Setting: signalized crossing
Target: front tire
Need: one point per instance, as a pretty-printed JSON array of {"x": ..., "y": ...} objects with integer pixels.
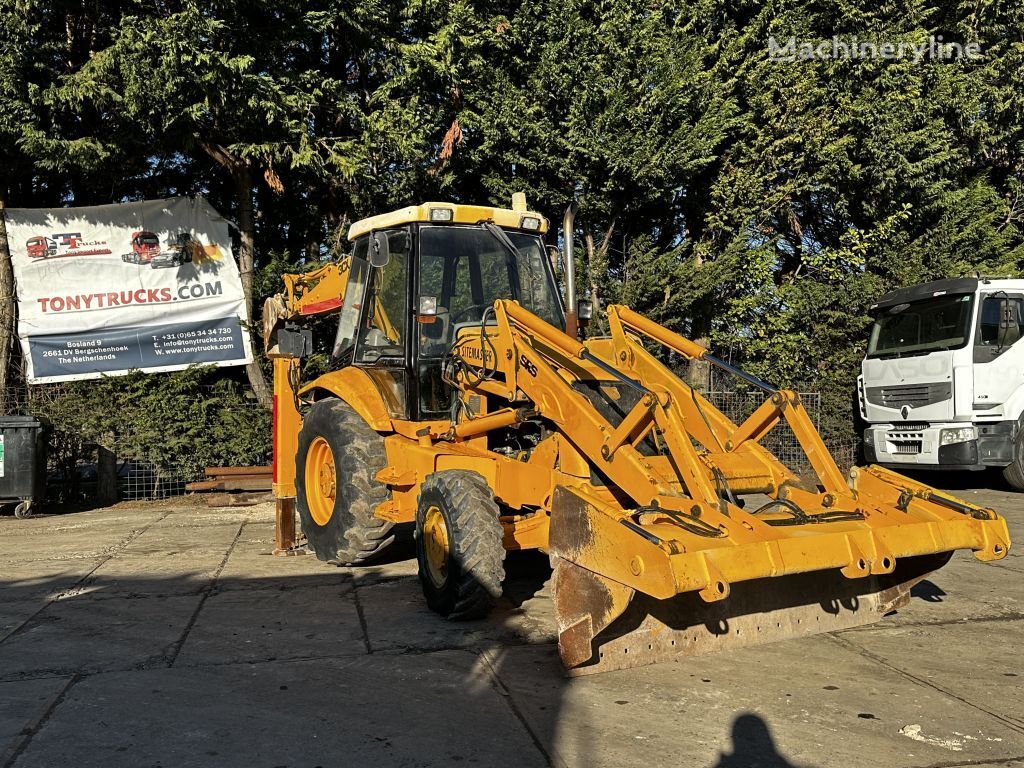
[
  {"x": 1014, "y": 472},
  {"x": 337, "y": 491},
  {"x": 459, "y": 544}
]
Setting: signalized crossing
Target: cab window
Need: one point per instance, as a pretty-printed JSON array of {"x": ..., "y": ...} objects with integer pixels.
[
  {"x": 385, "y": 319},
  {"x": 348, "y": 318},
  {"x": 1000, "y": 325}
]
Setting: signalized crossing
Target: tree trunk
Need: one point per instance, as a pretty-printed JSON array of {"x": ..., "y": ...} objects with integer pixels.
[
  {"x": 242, "y": 176},
  {"x": 108, "y": 489},
  {"x": 597, "y": 264},
  {"x": 6, "y": 312},
  {"x": 700, "y": 371}
]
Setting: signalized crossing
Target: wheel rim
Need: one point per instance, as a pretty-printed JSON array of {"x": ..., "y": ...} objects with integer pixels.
[
  {"x": 435, "y": 546},
  {"x": 321, "y": 481}
]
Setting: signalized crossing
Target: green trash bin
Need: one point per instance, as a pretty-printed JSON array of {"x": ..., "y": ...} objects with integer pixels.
[{"x": 22, "y": 462}]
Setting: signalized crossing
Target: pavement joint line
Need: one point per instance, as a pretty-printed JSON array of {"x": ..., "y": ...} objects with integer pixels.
[
  {"x": 114, "y": 550},
  {"x": 552, "y": 759},
  {"x": 276, "y": 660},
  {"x": 34, "y": 728},
  {"x": 1009, "y": 722},
  {"x": 980, "y": 762},
  {"x": 1003, "y": 565},
  {"x": 204, "y": 595},
  {"x": 883, "y": 627},
  {"x": 362, "y": 617},
  {"x": 503, "y": 644},
  {"x": 149, "y": 667}
]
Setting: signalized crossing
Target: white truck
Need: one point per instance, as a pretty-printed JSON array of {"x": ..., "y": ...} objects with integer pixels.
[{"x": 942, "y": 385}]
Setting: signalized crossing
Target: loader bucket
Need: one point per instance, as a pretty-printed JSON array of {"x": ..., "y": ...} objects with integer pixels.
[{"x": 621, "y": 600}]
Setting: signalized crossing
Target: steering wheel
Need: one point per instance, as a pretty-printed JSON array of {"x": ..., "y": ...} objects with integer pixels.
[{"x": 480, "y": 308}]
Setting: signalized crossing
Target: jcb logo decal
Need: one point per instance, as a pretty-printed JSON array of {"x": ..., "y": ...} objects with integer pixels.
[{"x": 530, "y": 367}]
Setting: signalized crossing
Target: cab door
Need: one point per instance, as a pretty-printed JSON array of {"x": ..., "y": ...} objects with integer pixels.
[
  {"x": 380, "y": 339},
  {"x": 998, "y": 352}
]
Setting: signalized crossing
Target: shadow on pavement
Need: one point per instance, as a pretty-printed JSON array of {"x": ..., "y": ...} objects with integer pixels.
[
  {"x": 928, "y": 591},
  {"x": 194, "y": 647},
  {"x": 991, "y": 479},
  {"x": 274, "y": 671},
  {"x": 752, "y": 746}
]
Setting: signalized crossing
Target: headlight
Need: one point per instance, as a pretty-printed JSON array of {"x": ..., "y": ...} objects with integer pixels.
[
  {"x": 529, "y": 222},
  {"x": 958, "y": 435},
  {"x": 441, "y": 214}
]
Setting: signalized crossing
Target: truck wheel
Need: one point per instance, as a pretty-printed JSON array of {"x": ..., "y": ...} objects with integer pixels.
[
  {"x": 336, "y": 463},
  {"x": 1014, "y": 473},
  {"x": 459, "y": 544}
]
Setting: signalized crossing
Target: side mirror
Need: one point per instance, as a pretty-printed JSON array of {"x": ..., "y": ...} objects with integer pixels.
[
  {"x": 586, "y": 312},
  {"x": 380, "y": 253},
  {"x": 1006, "y": 314}
]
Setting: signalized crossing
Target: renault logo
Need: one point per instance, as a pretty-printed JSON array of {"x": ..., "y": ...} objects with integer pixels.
[{"x": 905, "y": 412}]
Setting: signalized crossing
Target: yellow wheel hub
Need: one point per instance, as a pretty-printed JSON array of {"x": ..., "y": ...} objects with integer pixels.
[
  {"x": 321, "y": 481},
  {"x": 435, "y": 546}
]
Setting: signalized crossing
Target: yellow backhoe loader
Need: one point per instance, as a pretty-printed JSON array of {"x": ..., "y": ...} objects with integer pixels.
[{"x": 461, "y": 399}]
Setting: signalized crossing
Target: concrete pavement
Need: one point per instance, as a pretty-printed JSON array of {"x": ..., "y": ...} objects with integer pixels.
[{"x": 166, "y": 635}]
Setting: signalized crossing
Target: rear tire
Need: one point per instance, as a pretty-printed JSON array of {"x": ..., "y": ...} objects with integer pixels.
[
  {"x": 1014, "y": 472},
  {"x": 336, "y": 464},
  {"x": 459, "y": 544}
]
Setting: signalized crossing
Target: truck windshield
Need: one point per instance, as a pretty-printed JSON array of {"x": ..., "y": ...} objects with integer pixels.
[{"x": 920, "y": 327}]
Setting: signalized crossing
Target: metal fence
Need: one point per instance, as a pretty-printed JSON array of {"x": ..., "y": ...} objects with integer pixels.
[
  {"x": 72, "y": 471},
  {"x": 781, "y": 441},
  {"x": 73, "y": 463},
  {"x": 738, "y": 400}
]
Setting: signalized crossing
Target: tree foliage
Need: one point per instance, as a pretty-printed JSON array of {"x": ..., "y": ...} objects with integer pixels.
[
  {"x": 757, "y": 204},
  {"x": 177, "y": 422}
]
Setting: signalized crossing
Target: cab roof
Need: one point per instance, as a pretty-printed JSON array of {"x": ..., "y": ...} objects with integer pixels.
[
  {"x": 461, "y": 214},
  {"x": 926, "y": 291}
]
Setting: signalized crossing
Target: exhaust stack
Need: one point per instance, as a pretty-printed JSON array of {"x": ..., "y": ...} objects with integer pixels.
[{"x": 572, "y": 317}]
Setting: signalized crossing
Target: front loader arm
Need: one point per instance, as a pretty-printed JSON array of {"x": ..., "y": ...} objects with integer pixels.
[{"x": 683, "y": 528}]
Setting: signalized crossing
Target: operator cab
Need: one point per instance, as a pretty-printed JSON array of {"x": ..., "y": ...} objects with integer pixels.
[{"x": 420, "y": 275}]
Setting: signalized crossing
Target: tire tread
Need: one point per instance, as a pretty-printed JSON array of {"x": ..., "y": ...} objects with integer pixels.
[{"x": 476, "y": 540}]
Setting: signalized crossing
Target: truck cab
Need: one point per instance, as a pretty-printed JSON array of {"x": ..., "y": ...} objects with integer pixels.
[
  {"x": 942, "y": 384},
  {"x": 40, "y": 247},
  {"x": 145, "y": 245}
]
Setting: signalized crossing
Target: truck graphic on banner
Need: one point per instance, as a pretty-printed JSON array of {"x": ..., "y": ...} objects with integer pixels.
[
  {"x": 64, "y": 244},
  {"x": 146, "y": 250},
  {"x": 40, "y": 247},
  {"x": 145, "y": 245},
  {"x": 159, "y": 291}
]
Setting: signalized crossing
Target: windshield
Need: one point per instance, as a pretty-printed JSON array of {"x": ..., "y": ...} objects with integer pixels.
[
  {"x": 148, "y": 240},
  {"x": 464, "y": 269},
  {"x": 919, "y": 327}
]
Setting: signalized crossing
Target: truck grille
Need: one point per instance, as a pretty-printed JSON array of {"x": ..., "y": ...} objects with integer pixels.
[
  {"x": 911, "y": 447},
  {"x": 905, "y": 440},
  {"x": 914, "y": 395}
]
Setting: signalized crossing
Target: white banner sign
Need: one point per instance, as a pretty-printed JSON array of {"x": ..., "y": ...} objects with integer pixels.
[{"x": 111, "y": 288}]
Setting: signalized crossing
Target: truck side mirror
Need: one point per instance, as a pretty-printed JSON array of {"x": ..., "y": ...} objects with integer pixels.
[{"x": 380, "y": 253}]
